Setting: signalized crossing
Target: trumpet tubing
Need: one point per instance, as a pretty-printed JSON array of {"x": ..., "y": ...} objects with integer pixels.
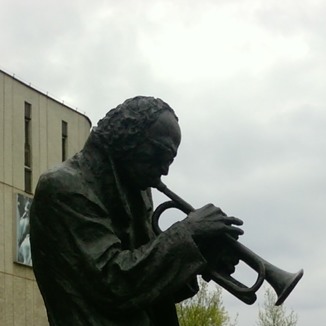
[{"x": 282, "y": 282}]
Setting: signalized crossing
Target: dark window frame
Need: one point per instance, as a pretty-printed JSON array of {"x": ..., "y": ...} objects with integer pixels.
[
  {"x": 64, "y": 140},
  {"x": 28, "y": 148}
]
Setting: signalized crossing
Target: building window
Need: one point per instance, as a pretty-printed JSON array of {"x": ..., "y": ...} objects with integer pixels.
[
  {"x": 28, "y": 180},
  {"x": 64, "y": 138},
  {"x": 28, "y": 153}
]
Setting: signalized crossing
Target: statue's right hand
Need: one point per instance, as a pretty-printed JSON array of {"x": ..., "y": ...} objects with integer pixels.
[{"x": 210, "y": 222}]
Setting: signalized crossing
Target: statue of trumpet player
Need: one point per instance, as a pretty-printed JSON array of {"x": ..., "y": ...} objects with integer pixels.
[{"x": 96, "y": 257}]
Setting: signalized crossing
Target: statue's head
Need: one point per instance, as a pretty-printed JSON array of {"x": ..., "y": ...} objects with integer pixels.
[{"x": 142, "y": 135}]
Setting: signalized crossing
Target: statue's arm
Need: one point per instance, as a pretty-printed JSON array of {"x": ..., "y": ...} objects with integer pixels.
[{"x": 123, "y": 279}]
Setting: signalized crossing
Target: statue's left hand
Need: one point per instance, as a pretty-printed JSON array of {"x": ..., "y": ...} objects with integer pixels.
[{"x": 221, "y": 257}]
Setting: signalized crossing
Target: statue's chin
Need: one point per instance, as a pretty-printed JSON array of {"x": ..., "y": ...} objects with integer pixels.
[
  {"x": 153, "y": 183},
  {"x": 156, "y": 182}
]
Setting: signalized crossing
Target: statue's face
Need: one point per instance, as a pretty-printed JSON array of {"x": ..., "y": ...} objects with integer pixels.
[{"x": 152, "y": 159}]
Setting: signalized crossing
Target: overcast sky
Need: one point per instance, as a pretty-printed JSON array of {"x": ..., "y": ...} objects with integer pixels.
[{"x": 247, "y": 79}]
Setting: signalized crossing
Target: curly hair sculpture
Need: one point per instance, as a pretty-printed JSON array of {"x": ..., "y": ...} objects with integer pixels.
[{"x": 124, "y": 127}]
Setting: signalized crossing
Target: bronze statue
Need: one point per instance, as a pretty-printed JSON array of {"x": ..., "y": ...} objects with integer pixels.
[{"x": 96, "y": 257}]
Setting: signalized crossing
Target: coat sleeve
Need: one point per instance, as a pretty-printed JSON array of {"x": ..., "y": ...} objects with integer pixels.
[{"x": 78, "y": 240}]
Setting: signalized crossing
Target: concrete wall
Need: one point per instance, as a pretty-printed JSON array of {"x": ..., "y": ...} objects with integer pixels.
[{"x": 20, "y": 300}]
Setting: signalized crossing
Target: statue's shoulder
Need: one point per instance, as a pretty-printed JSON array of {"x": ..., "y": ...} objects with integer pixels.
[{"x": 64, "y": 177}]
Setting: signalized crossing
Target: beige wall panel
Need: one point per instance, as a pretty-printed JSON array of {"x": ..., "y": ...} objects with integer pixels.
[
  {"x": 19, "y": 296},
  {"x": 19, "y": 270},
  {"x": 29, "y": 308},
  {"x": 2, "y": 286},
  {"x": 18, "y": 132},
  {"x": 84, "y": 129},
  {"x": 36, "y": 140},
  {"x": 9, "y": 232},
  {"x": 43, "y": 136},
  {"x": 40, "y": 317},
  {"x": 2, "y": 312},
  {"x": 78, "y": 128},
  {"x": 2, "y": 229},
  {"x": 2, "y": 158},
  {"x": 2, "y": 299},
  {"x": 9, "y": 301},
  {"x": 29, "y": 274},
  {"x": 7, "y": 136},
  {"x": 74, "y": 145},
  {"x": 54, "y": 137}
]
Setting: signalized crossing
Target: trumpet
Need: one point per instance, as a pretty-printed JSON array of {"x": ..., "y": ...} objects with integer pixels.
[{"x": 281, "y": 281}]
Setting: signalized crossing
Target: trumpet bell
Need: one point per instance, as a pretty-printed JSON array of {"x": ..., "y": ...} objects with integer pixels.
[{"x": 281, "y": 281}]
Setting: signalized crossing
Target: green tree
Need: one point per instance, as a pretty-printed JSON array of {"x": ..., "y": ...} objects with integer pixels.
[
  {"x": 271, "y": 315},
  {"x": 204, "y": 309}
]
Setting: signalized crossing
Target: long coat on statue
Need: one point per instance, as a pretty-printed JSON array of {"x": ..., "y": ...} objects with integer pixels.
[{"x": 95, "y": 256}]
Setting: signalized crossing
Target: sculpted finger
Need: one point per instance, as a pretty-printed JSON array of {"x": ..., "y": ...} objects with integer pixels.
[
  {"x": 233, "y": 220},
  {"x": 235, "y": 230}
]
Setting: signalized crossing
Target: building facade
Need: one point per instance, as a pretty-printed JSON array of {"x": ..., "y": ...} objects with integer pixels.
[{"x": 37, "y": 132}]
